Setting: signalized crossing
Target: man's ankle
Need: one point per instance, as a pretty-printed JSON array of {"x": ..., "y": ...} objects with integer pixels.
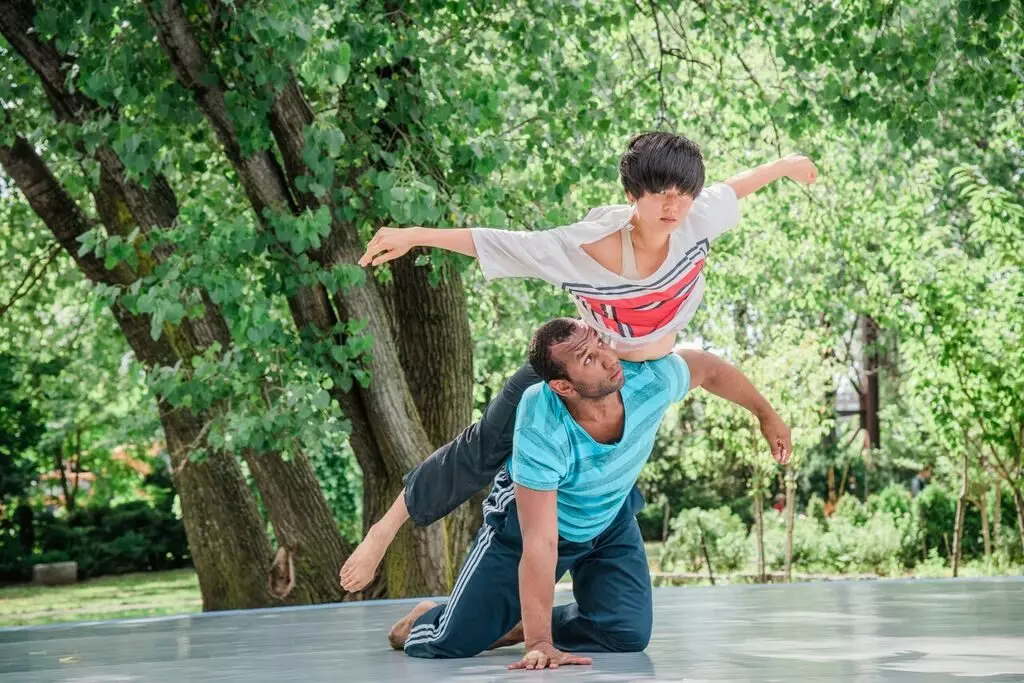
[{"x": 379, "y": 533}]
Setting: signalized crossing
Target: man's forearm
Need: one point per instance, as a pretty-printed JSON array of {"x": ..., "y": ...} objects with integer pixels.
[
  {"x": 537, "y": 590},
  {"x": 726, "y": 381},
  {"x": 751, "y": 181},
  {"x": 452, "y": 239}
]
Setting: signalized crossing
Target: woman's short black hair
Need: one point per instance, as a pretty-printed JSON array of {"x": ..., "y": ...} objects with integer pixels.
[{"x": 658, "y": 161}]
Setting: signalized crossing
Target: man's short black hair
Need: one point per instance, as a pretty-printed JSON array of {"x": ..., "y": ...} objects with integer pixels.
[
  {"x": 550, "y": 333},
  {"x": 654, "y": 162}
]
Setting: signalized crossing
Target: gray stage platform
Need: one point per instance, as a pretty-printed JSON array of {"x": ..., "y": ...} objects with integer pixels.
[{"x": 870, "y": 631}]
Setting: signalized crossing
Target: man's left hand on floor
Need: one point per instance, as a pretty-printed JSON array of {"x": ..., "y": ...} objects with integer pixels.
[{"x": 544, "y": 655}]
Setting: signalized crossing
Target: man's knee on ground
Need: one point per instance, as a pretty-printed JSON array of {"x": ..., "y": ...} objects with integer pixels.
[{"x": 630, "y": 637}]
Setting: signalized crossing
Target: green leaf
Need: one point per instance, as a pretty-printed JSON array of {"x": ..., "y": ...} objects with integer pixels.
[
  {"x": 321, "y": 399},
  {"x": 340, "y": 69}
]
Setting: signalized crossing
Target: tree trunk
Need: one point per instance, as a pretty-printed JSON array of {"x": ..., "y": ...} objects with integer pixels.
[
  {"x": 871, "y": 365},
  {"x": 306, "y": 531},
  {"x": 704, "y": 551},
  {"x": 790, "y": 522},
  {"x": 958, "y": 524},
  {"x": 62, "y": 471},
  {"x": 1018, "y": 503},
  {"x": 437, "y": 357},
  {"x": 985, "y": 535},
  {"x": 229, "y": 547},
  {"x": 830, "y": 479},
  {"x": 76, "y": 467},
  {"x": 997, "y": 515},
  {"x": 665, "y": 521},
  {"x": 299, "y": 513},
  {"x": 396, "y": 437},
  {"x": 759, "y": 531},
  {"x": 232, "y": 566},
  {"x": 871, "y": 424}
]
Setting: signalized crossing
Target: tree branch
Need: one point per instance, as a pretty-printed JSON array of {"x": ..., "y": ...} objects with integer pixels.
[
  {"x": 58, "y": 210},
  {"x": 19, "y": 292}
]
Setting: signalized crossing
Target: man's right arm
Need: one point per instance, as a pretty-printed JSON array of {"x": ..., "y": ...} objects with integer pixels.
[{"x": 538, "y": 520}]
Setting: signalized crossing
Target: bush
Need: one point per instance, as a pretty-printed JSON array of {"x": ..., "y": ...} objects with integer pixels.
[
  {"x": 935, "y": 507},
  {"x": 124, "y": 538},
  {"x": 12, "y": 561},
  {"x": 807, "y": 538},
  {"x": 651, "y": 520},
  {"x": 816, "y": 508},
  {"x": 852, "y": 510},
  {"x": 892, "y": 500},
  {"x": 1009, "y": 534},
  {"x": 725, "y": 536},
  {"x": 879, "y": 536}
]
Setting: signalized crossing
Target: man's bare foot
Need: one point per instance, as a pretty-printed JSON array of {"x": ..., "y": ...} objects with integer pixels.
[
  {"x": 513, "y": 637},
  {"x": 399, "y": 633},
  {"x": 358, "y": 571}
]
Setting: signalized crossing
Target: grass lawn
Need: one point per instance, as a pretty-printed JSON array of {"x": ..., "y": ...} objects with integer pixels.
[{"x": 108, "y": 597}]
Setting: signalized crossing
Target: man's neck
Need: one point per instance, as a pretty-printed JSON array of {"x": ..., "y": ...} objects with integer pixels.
[{"x": 603, "y": 418}]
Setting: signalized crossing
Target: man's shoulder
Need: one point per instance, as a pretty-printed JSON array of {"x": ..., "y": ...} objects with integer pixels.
[
  {"x": 669, "y": 363},
  {"x": 670, "y": 374},
  {"x": 533, "y": 395},
  {"x": 538, "y": 407}
]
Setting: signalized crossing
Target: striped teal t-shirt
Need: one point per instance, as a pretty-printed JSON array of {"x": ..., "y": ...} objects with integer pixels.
[{"x": 551, "y": 451}]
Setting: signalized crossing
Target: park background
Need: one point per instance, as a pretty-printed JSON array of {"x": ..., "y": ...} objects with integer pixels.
[{"x": 204, "y": 401}]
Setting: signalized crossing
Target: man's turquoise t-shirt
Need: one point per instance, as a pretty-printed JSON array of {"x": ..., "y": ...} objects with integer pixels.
[{"x": 551, "y": 451}]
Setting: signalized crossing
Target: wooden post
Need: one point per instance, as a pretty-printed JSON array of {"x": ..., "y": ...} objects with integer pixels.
[
  {"x": 958, "y": 524},
  {"x": 790, "y": 522},
  {"x": 704, "y": 550}
]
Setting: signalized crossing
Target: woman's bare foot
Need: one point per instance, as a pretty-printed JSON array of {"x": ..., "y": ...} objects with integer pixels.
[
  {"x": 358, "y": 571},
  {"x": 399, "y": 633},
  {"x": 513, "y": 637}
]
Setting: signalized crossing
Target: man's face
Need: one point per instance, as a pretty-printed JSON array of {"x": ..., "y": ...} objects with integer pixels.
[
  {"x": 592, "y": 367},
  {"x": 662, "y": 211}
]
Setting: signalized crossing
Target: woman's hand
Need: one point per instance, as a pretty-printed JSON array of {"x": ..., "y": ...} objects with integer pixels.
[{"x": 388, "y": 244}]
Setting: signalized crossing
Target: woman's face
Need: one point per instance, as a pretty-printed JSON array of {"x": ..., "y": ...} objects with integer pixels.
[{"x": 662, "y": 211}]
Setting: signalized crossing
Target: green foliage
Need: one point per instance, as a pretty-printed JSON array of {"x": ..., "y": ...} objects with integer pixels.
[
  {"x": 131, "y": 537},
  {"x": 342, "y": 487},
  {"x": 936, "y": 507},
  {"x": 21, "y": 427},
  {"x": 723, "y": 532},
  {"x": 513, "y": 116},
  {"x": 888, "y": 534}
]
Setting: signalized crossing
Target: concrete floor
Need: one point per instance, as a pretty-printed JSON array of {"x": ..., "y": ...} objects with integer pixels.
[{"x": 866, "y": 631}]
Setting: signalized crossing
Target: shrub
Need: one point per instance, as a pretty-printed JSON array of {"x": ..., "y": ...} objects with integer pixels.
[
  {"x": 875, "y": 537},
  {"x": 725, "y": 536},
  {"x": 807, "y": 540},
  {"x": 124, "y": 538},
  {"x": 816, "y": 508},
  {"x": 935, "y": 507},
  {"x": 893, "y": 500}
]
